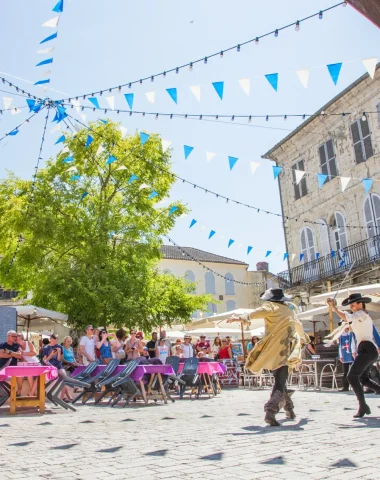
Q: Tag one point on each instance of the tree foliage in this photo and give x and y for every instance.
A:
(90, 245)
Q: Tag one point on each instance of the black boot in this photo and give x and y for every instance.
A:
(271, 408)
(363, 407)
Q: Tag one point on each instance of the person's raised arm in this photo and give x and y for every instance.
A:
(332, 304)
(32, 351)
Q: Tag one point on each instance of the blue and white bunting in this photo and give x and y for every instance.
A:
(50, 37)
(45, 62)
(301, 256)
(13, 132)
(187, 150)
(94, 101)
(144, 138)
(172, 210)
(42, 82)
(110, 160)
(59, 7)
(334, 71)
(74, 178)
(129, 98)
(268, 253)
(68, 160)
(219, 88)
(89, 141)
(173, 94)
(232, 161)
(211, 234)
(61, 139)
(249, 249)
(273, 80)
(367, 182)
(152, 195)
(132, 178)
(276, 171)
(192, 223)
(286, 255)
(230, 242)
(321, 179)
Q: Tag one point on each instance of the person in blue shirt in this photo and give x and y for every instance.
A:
(347, 354)
(104, 346)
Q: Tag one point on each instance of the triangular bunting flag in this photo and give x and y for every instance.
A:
(334, 71)
(273, 80)
(187, 150)
(299, 175)
(370, 66)
(144, 138)
(94, 101)
(367, 182)
(150, 96)
(50, 37)
(301, 256)
(303, 76)
(341, 263)
(75, 177)
(210, 156)
(193, 222)
(219, 87)
(71, 169)
(52, 23)
(196, 91)
(332, 253)
(15, 111)
(65, 149)
(132, 178)
(122, 167)
(59, 7)
(60, 139)
(268, 253)
(254, 167)
(45, 51)
(8, 102)
(173, 94)
(13, 132)
(232, 161)
(89, 141)
(111, 102)
(249, 249)
(165, 144)
(344, 181)
(212, 233)
(45, 62)
(230, 242)
(245, 84)
(286, 255)
(103, 121)
(68, 160)
(84, 195)
(152, 195)
(143, 185)
(172, 210)
(293, 256)
(321, 179)
(317, 255)
(129, 98)
(31, 103)
(123, 130)
(76, 104)
(276, 171)
(110, 160)
(42, 82)
(100, 150)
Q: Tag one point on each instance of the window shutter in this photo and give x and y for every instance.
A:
(359, 157)
(368, 216)
(303, 241)
(376, 208)
(322, 155)
(341, 224)
(378, 111)
(364, 128)
(330, 149)
(355, 132)
(310, 241)
(296, 187)
(368, 147)
(324, 236)
(229, 284)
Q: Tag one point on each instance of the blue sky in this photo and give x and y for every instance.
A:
(102, 43)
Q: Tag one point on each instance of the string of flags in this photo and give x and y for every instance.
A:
(51, 23)
(19, 90)
(220, 53)
(16, 130)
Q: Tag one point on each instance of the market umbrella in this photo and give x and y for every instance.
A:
(31, 312)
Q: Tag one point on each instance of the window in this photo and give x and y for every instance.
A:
(211, 308)
(307, 244)
(230, 284)
(300, 189)
(372, 214)
(340, 233)
(327, 160)
(230, 305)
(210, 283)
(361, 138)
(190, 277)
(324, 238)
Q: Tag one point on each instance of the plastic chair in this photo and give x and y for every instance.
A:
(330, 371)
(5, 390)
(189, 376)
(120, 385)
(87, 372)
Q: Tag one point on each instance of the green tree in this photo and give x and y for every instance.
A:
(90, 235)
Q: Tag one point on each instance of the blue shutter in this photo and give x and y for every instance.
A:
(231, 305)
(210, 283)
(230, 284)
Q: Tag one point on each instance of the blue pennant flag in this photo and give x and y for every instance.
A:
(321, 179)
(37, 107)
(31, 104)
(129, 98)
(367, 182)
(144, 138)
(60, 140)
(45, 62)
(301, 256)
(193, 222)
(172, 210)
(104, 121)
(286, 255)
(232, 161)
(276, 171)
(60, 114)
(111, 159)
(84, 195)
(94, 101)
(187, 150)
(75, 177)
(341, 263)
(230, 242)
(42, 82)
(132, 178)
(173, 94)
(59, 7)
(268, 253)
(89, 141)
(249, 249)
(68, 160)
(317, 255)
(152, 195)
(13, 132)
(334, 71)
(332, 253)
(219, 87)
(50, 37)
(273, 79)
(212, 233)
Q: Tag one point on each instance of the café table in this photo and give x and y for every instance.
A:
(207, 370)
(42, 372)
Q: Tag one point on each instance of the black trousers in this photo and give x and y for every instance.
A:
(280, 377)
(358, 376)
(346, 369)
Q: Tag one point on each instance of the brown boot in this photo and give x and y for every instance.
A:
(289, 406)
(271, 408)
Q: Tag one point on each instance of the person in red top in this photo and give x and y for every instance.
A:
(225, 351)
(200, 346)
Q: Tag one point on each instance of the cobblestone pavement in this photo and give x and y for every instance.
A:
(196, 439)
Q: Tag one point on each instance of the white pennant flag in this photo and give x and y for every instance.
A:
(344, 181)
(123, 130)
(7, 102)
(165, 144)
(150, 96)
(196, 91)
(52, 23)
(15, 111)
(111, 102)
(370, 65)
(65, 149)
(123, 167)
(254, 167)
(71, 169)
(83, 117)
(76, 104)
(245, 84)
(46, 50)
(57, 128)
(293, 256)
(143, 185)
(299, 175)
(100, 150)
(210, 156)
(303, 76)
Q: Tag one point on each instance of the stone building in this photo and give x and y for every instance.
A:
(331, 230)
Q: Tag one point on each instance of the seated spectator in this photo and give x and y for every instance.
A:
(319, 340)
(174, 347)
(162, 351)
(216, 347)
(104, 346)
(69, 362)
(10, 350)
(225, 351)
(200, 346)
(44, 342)
(252, 343)
(133, 346)
(187, 347)
(29, 356)
(53, 354)
(177, 351)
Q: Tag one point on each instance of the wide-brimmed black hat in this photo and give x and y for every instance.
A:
(274, 295)
(355, 297)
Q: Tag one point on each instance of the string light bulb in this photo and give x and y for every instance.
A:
(364, 117)
(205, 60)
(191, 67)
(256, 40)
(221, 54)
(297, 27)
(276, 33)
(238, 48)
(320, 16)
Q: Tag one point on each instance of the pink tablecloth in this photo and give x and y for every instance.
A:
(208, 367)
(29, 371)
(137, 373)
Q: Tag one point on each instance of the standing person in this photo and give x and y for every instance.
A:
(152, 345)
(278, 351)
(117, 346)
(10, 349)
(162, 351)
(347, 354)
(251, 345)
(203, 345)
(168, 343)
(29, 356)
(225, 351)
(133, 346)
(216, 347)
(187, 347)
(367, 353)
(104, 346)
(87, 346)
(53, 354)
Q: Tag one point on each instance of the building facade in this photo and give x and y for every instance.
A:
(335, 227)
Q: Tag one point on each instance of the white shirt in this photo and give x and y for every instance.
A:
(362, 325)
(89, 346)
(163, 353)
(187, 350)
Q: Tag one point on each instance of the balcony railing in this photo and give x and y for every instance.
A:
(362, 253)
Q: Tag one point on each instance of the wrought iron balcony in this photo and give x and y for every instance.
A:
(363, 253)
